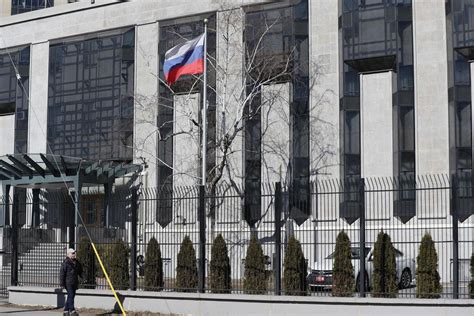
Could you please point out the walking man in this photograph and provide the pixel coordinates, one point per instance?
(71, 269)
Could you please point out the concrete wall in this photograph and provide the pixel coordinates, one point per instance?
(230, 305)
(38, 107)
(5, 8)
(275, 132)
(431, 87)
(324, 83)
(7, 132)
(230, 54)
(146, 100)
(186, 142)
(84, 18)
(376, 124)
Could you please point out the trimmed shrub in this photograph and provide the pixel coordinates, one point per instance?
(294, 275)
(384, 277)
(186, 270)
(220, 280)
(255, 281)
(119, 267)
(343, 272)
(105, 253)
(471, 284)
(153, 267)
(86, 256)
(427, 277)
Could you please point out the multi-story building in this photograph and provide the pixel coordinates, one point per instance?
(297, 90)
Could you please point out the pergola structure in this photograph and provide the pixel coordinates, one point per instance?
(43, 171)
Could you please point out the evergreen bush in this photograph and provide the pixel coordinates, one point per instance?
(343, 271)
(86, 256)
(119, 266)
(220, 280)
(294, 275)
(153, 267)
(255, 279)
(384, 277)
(471, 284)
(186, 270)
(105, 253)
(427, 277)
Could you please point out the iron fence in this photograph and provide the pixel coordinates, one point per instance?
(405, 208)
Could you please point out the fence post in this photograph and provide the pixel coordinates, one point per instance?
(14, 270)
(133, 250)
(362, 237)
(202, 239)
(277, 261)
(454, 217)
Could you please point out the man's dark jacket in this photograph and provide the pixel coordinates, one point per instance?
(70, 271)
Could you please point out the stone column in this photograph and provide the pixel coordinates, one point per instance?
(275, 133)
(186, 142)
(146, 102)
(5, 8)
(38, 107)
(324, 81)
(431, 87)
(230, 54)
(376, 121)
(376, 124)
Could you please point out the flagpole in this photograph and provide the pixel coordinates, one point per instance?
(204, 109)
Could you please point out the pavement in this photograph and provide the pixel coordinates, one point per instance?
(8, 309)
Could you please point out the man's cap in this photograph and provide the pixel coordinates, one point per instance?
(70, 250)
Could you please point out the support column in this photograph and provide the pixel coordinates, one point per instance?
(186, 142)
(202, 240)
(145, 142)
(376, 125)
(14, 236)
(275, 129)
(133, 248)
(105, 211)
(324, 80)
(35, 212)
(230, 51)
(431, 87)
(5, 8)
(74, 222)
(6, 206)
(38, 107)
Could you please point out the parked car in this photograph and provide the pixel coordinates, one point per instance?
(320, 278)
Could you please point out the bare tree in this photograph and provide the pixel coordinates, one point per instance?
(252, 83)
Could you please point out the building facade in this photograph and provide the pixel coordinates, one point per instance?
(298, 91)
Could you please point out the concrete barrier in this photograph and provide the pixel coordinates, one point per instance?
(237, 305)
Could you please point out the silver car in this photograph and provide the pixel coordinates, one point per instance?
(321, 276)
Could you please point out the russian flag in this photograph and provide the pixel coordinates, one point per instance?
(184, 59)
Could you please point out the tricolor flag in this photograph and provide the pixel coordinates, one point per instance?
(184, 59)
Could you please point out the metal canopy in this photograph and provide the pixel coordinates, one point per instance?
(38, 170)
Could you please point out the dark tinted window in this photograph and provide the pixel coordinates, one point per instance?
(90, 101)
(21, 6)
(13, 92)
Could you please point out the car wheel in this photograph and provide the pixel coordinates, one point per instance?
(405, 279)
(366, 282)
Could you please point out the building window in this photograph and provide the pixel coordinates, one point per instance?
(22, 6)
(371, 30)
(461, 15)
(277, 36)
(172, 33)
(90, 100)
(13, 92)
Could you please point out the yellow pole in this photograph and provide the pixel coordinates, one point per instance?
(108, 280)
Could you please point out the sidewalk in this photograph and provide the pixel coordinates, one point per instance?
(6, 309)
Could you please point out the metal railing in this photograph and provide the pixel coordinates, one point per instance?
(406, 209)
